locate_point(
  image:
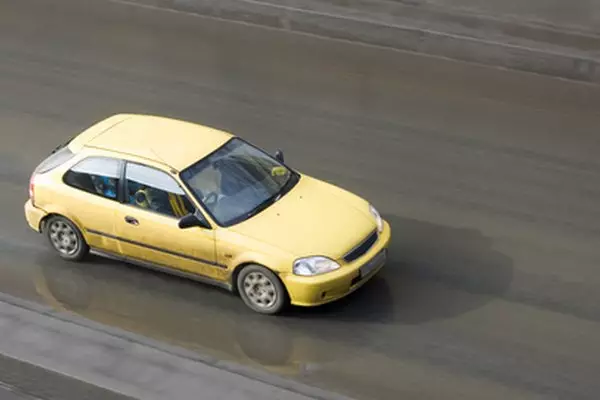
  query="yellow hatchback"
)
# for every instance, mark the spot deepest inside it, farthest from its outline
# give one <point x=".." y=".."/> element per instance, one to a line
<point x="209" y="206"/>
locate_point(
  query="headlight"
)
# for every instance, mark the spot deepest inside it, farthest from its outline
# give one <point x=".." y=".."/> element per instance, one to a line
<point x="377" y="217"/>
<point x="316" y="265"/>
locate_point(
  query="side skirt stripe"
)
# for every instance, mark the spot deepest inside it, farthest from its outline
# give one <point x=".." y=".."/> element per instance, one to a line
<point x="173" y="253"/>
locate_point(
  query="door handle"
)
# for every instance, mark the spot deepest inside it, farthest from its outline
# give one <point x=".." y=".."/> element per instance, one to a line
<point x="131" y="220"/>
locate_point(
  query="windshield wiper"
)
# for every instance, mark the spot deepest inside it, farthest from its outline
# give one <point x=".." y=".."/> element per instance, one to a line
<point x="287" y="186"/>
<point x="261" y="206"/>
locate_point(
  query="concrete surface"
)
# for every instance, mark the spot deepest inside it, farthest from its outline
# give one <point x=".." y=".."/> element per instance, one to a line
<point x="535" y="36"/>
<point x="22" y="380"/>
<point x="8" y="394"/>
<point x="490" y="179"/>
<point x="576" y="15"/>
<point x="121" y="366"/>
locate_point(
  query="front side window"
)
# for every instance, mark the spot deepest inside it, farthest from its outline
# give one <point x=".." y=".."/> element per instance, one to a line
<point x="96" y="175"/>
<point x="237" y="181"/>
<point x="155" y="190"/>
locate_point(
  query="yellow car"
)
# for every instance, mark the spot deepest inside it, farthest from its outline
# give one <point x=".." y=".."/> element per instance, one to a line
<point x="209" y="206"/>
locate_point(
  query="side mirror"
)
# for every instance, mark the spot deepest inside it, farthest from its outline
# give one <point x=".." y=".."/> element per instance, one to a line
<point x="192" y="220"/>
<point x="279" y="155"/>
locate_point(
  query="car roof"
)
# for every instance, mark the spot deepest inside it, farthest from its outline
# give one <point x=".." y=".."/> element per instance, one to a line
<point x="175" y="143"/>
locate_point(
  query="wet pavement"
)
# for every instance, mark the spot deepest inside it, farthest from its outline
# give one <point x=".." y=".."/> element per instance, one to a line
<point x="489" y="178"/>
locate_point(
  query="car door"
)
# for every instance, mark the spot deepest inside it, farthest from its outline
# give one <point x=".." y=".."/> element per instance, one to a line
<point x="147" y="225"/>
<point x="91" y="194"/>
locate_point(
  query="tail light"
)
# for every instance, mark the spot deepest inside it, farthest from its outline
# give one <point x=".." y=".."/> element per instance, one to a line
<point x="32" y="188"/>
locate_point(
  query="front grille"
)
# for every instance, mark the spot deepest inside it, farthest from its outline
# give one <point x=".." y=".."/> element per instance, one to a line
<point x="361" y="248"/>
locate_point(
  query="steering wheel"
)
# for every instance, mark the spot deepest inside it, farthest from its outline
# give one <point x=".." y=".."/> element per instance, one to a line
<point x="142" y="199"/>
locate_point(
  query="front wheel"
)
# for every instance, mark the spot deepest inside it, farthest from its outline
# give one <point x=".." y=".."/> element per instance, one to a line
<point x="261" y="290"/>
<point x="66" y="238"/>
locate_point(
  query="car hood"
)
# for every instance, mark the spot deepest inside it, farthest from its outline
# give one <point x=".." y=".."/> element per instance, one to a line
<point x="314" y="218"/>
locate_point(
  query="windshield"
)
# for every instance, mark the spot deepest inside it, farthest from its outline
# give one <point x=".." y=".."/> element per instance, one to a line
<point x="238" y="181"/>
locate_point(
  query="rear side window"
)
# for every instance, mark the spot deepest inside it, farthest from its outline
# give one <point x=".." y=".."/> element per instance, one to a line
<point x="55" y="159"/>
<point x="95" y="175"/>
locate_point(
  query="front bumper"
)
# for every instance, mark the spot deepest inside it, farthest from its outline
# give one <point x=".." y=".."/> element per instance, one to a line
<point x="317" y="290"/>
<point x="34" y="215"/>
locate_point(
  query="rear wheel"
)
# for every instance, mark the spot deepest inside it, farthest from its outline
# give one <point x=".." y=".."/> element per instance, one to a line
<point x="261" y="290"/>
<point x="66" y="238"/>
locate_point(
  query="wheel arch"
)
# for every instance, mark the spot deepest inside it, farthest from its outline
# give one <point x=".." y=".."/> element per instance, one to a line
<point x="60" y="213"/>
<point x="46" y="218"/>
<point x="238" y="268"/>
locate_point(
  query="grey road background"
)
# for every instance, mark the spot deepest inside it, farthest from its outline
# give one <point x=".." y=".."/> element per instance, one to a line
<point x="552" y="37"/>
<point x="489" y="178"/>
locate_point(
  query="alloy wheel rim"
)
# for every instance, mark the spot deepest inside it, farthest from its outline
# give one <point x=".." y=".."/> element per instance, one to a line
<point x="260" y="290"/>
<point x="63" y="238"/>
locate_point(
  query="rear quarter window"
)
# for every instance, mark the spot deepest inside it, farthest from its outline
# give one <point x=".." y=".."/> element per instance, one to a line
<point x="95" y="175"/>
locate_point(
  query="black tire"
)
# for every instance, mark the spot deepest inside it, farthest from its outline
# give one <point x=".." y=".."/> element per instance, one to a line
<point x="71" y="248"/>
<point x="272" y="298"/>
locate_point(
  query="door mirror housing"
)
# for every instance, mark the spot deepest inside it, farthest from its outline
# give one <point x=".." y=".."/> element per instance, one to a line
<point x="193" y="220"/>
<point x="279" y="155"/>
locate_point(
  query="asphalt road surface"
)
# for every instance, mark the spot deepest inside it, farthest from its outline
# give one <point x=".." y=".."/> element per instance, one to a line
<point x="490" y="179"/>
